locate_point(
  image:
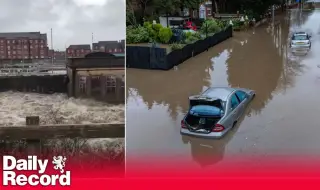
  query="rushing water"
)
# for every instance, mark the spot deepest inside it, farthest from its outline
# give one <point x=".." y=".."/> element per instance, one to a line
<point x="55" y="109"/>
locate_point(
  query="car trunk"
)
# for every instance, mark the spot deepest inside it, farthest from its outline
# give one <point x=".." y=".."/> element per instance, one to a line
<point x="300" y="42"/>
<point x="202" y="118"/>
<point x="201" y="124"/>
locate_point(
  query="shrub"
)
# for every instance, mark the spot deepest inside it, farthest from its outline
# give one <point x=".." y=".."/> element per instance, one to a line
<point x="176" y="46"/>
<point x="222" y="23"/>
<point x="165" y="35"/>
<point x="153" y="30"/>
<point x="137" y="35"/>
<point x="209" y="26"/>
<point x="192" y="37"/>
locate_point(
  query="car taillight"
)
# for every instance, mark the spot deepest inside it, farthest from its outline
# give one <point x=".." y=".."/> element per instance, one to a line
<point x="218" y="128"/>
<point x="183" y="124"/>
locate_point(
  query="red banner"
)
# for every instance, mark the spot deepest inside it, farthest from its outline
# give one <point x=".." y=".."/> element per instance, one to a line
<point x="151" y="173"/>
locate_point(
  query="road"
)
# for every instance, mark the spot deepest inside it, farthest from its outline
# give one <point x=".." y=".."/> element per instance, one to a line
<point x="283" y="119"/>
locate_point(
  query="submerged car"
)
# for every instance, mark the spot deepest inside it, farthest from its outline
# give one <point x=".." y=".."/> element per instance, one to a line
<point x="300" y="40"/>
<point x="214" y="112"/>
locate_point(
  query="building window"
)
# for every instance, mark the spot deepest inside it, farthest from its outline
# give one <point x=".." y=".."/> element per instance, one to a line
<point x="36" y="41"/>
<point x="25" y="47"/>
<point x="36" y="57"/>
<point x="8" y="41"/>
<point x="42" y="56"/>
<point x="14" y="52"/>
<point x="82" y="50"/>
<point x="41" y="46"/>
<point x="26" y="57"/>
<point x="31" y="47"/>
<point x="30" y="41"/>
<point x="110" y="50"/>
<point x="115" y="50"/>
<point x="111" y="84"/>
<point x="42" y="41"/>
<point x="13" y="41"/>
<point x="31" y="57"/>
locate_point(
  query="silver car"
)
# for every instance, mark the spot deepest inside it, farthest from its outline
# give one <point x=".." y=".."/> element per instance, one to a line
<point x="300" y="40"/>
<point x="214" y="112"/>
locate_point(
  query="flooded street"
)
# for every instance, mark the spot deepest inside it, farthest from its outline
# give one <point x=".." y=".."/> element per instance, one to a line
<point x="282" y="120"/>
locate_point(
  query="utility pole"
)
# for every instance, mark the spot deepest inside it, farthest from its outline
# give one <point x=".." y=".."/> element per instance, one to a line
<point x="52" y="48"/>
<point x="273" y="15"/>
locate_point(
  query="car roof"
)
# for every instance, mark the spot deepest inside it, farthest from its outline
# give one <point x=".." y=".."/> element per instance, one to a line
<point x="218" y="92"/>
<point x="300" y="34"/>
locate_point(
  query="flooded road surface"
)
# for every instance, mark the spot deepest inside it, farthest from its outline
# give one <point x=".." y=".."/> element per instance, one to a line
<point x="55" y="109"/>
<point x="282" y="120"/>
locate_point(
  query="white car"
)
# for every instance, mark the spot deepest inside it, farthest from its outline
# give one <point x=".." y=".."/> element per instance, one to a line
<point x="300" y="40"/>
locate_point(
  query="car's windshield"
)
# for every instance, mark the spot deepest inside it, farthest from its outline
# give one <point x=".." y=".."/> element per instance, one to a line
<point x="300" y="37"/>
<point x="217" y="103"/>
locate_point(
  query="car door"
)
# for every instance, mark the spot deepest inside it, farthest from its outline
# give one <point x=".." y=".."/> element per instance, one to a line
<point x="243" y="100"/>
<point x="234" y="107"/>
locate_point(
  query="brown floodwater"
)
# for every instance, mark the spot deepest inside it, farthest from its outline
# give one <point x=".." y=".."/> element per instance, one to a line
<point x="283" y="119"/>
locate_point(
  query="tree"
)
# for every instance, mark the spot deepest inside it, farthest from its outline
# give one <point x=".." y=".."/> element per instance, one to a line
<point x="166" y="7"/>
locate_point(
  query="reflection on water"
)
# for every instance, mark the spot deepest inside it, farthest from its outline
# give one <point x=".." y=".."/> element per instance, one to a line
<point x="55" y="109"/>
<point x="286" y="91"/>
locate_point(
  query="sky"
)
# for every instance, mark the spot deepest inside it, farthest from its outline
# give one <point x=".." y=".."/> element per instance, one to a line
<point x="72" y="21"/>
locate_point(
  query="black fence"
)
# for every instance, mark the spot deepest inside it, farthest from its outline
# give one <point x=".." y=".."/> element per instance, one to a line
<point x="157" y="58"/>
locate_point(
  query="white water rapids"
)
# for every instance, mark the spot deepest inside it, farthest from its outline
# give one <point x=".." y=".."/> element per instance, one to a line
<point x="59" y="109"/>
<point x="55" y="109"/>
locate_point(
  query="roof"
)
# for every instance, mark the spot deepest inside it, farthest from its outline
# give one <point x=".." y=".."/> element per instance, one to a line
<point x="218" y="93"/>
<point x="110" y="44"/>
<point x="300" y="33"/>
<point x="31" y="35"/>
<point x="80" y="46"/>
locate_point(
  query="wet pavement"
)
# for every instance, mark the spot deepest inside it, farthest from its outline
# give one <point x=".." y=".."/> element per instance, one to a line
<point x="283" y="119"/>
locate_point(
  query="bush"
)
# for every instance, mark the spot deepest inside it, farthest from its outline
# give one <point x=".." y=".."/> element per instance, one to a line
<point x="192" y="37"/>
<point x="222" y="23"/>
<point x="165" y="35"/>
<point x="137" y="35"/>
<point x="175" y="46"/>
<point x="210" y="26"/>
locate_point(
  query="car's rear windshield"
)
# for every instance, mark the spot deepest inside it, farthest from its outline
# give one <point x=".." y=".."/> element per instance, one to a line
<point x="300" y="37"/>
<point x="217" y="103"/>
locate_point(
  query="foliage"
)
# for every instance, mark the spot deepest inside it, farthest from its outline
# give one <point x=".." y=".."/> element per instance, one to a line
<point x="137" y="34"/>
<point x="222" y="23"/>
<point x="153" y="31"/>
<point x="165" y="35"/>
<point x="192" y="37"/>
<point x="210" y="26"/>
<point x="176" y="46"/>
<point x="179" y="35"/>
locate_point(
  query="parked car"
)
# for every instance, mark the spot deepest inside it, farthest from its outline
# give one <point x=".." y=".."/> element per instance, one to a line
<point x="214" y="112"/>
<point x="300" y="40"/>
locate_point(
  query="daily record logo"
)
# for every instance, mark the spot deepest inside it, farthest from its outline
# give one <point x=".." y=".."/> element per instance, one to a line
<point x="11" y="164"/>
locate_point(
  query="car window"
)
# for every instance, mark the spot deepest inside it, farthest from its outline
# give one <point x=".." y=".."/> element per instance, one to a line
<point x="241" y="95"/>
<point x="234" y="101"/>
<point x="300" y="37"/>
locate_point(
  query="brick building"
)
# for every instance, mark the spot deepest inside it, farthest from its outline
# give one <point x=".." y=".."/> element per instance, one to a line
<point x="113" y="47"/>
<point x="57" y="55"/>
<point x="23" y="45"/>
<point x="77" y="51"/>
